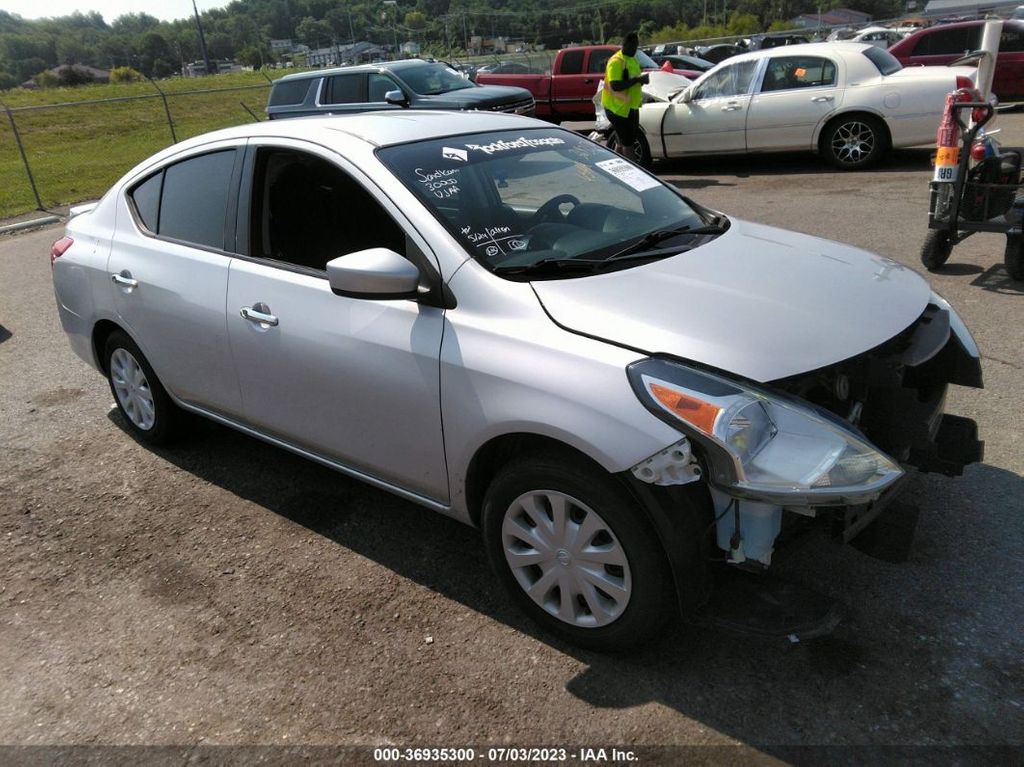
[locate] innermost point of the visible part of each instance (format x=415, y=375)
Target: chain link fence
x=66, y=152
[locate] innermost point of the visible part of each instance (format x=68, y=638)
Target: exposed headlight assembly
x=761, y=445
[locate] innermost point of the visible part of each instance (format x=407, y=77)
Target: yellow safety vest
x=621, y=102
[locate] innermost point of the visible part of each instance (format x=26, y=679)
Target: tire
x=854, y=142
x=144, y=404
x=641, y=148
x=1013, y=258
x=936, y=249
x=619, y=584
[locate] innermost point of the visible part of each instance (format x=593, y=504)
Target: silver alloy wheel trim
x=566, y=558
x=852, y=142
x=132, y=389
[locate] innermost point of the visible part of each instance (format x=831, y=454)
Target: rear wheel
x=853, y=142
x=1013, y=259
x=641, y=150
x=141, y=398
x=936, y=249
x=577, y=555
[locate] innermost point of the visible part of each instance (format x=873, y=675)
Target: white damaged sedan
x=506, y=323
x=850, y=102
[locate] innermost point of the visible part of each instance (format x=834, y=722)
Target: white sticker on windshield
x=454, y=154
x=627, y=174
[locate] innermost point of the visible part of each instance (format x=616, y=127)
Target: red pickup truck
x=567, y=92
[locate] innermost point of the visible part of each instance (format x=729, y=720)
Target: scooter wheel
x=1013, y=258
x=936, y=249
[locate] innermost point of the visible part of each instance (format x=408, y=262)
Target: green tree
x=314, y=32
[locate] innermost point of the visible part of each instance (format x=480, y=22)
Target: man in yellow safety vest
x=621, y=97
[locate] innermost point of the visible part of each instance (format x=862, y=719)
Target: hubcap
x=566, y=558
x=132, y=389
x=853, y=142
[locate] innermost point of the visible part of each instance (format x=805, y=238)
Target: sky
x=109, y=9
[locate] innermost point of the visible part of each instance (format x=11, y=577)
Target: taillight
x=962, y=81
x=59, y=248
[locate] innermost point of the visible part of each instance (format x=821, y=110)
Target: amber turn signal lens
x=692, y=410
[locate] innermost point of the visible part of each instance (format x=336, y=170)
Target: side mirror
x=376, y=274
x=397, y=98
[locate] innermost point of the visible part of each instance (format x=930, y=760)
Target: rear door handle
x=124, y=279
x=258, y=313
x=588, y=81
x=731, y=107
x=822, y=99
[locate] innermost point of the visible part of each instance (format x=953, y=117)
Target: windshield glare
x=516, y=198
x=432, y=79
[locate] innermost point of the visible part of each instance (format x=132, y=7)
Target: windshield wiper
x=660, y=235
x=550, y=265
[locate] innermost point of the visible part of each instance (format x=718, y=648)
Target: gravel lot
x=226, y=592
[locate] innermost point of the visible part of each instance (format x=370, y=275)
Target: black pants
x=626, y=128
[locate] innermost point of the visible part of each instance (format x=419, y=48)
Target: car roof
x=804, y=49
x=395, y=66
x=383, y=128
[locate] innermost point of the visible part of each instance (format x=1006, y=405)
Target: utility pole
x=202, y=40
x=394, y=22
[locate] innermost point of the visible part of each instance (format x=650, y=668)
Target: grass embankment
x=77, y=152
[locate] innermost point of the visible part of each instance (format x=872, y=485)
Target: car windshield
x=547, y=202
x=432, y=79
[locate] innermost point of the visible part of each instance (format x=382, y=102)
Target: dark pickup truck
x=414, y=84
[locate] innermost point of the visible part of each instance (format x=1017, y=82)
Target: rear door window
x=193, y=200
x=146, y=198
x=943, y=42
x=788, y=72
x=1011, y=41
x=345, y=89
x=598, y=61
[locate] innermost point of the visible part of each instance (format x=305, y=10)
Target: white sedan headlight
x=763, y=445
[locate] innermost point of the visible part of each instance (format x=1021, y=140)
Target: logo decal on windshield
x=520, y=143
x=454, y=154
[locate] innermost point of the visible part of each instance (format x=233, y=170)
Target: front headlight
x=761, y=445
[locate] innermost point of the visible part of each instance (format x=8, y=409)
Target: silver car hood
x=759, y=302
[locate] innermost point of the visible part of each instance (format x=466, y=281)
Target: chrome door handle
x=731, y=107
x=124, y=279
x=822, y=99
x=261, y=318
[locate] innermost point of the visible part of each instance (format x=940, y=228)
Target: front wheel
x=577, y=555
x=854, y=142
x=936, y=249
x=141, y=398
x=1013, y=259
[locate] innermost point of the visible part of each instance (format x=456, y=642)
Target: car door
x=796, y=93
x=169, y=266
x=573, y=86
x=715, y=118
x=352, y=380
x=344, y=93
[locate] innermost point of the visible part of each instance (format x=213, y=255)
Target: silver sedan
x=508, y=324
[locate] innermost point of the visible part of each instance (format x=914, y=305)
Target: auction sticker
x=628, y=174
